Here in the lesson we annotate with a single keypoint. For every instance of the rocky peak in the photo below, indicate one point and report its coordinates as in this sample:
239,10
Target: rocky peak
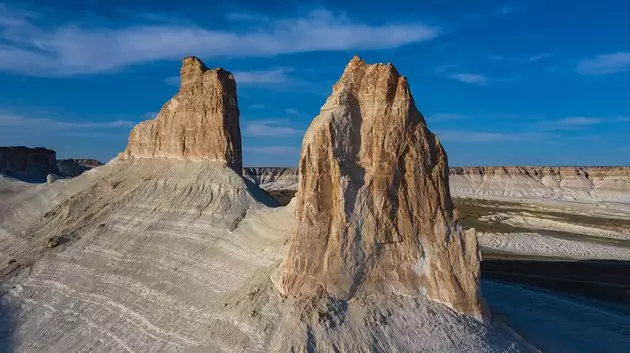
373,208
201,122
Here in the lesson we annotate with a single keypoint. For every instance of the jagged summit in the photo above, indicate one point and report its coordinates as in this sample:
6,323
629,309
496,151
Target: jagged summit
201,122
373,209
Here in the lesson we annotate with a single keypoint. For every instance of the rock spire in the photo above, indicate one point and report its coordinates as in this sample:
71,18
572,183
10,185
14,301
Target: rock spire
373,208
201,122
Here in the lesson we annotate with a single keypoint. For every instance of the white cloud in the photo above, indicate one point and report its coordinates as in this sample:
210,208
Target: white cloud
72,49
604,64
444,117
472,79
276,76
576,122
476,136
292,111
519,59
538,57
46,123
262,77
173,81
269,128
570,123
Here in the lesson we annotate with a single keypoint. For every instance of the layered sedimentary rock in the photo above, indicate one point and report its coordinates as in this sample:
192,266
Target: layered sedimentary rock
272,178
75,167
32,164
201,122
171,255
562,183
373,208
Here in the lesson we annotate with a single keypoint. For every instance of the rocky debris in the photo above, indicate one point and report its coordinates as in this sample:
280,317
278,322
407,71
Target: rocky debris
373,208
29,164
201,122
55,241
71,168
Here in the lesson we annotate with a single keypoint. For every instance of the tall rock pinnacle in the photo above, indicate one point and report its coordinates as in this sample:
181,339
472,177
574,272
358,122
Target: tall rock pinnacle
200,122
374,211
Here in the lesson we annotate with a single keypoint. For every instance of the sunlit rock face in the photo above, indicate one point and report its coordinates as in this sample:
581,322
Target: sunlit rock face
201,122
373,207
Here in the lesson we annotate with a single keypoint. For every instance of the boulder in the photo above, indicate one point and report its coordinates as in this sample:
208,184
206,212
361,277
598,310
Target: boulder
51,178
374,212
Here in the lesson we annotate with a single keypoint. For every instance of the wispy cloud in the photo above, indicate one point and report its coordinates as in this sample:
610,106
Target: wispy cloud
264,77
519,59
444,117
173,81
570,123
74,48
292,111
269,128
471,79
578,122
467,136
604,64
46,123
538,57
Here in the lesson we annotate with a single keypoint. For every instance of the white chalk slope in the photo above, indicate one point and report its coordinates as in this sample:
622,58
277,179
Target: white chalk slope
170,256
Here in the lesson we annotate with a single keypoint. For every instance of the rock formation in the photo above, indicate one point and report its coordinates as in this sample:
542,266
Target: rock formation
75,167
562,183
201,122
273,178
373,208
31,164
520,182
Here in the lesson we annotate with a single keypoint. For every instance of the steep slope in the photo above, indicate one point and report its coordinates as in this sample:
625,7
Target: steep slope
373,208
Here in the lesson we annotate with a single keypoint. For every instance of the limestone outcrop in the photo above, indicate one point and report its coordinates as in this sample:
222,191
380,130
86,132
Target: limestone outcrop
549,183
373,208
201,122
502,182
31,164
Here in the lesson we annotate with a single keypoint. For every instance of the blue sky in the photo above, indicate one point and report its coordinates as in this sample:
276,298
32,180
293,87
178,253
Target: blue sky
500,82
